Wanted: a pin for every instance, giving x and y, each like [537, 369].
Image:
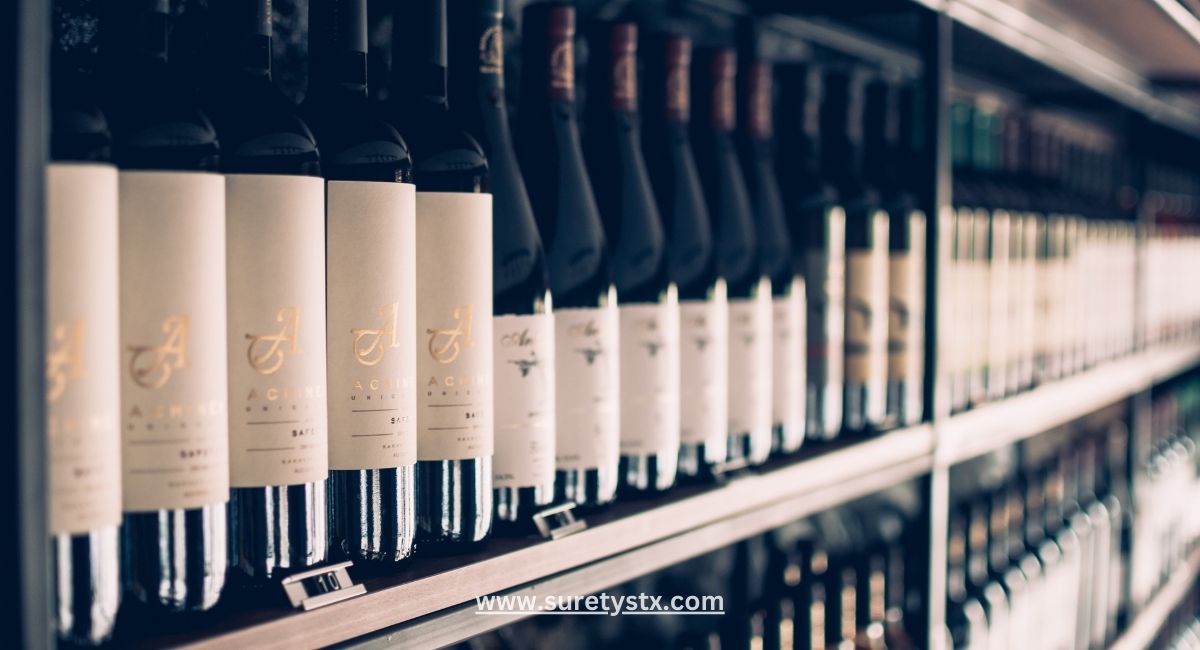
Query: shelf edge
[1151, 619]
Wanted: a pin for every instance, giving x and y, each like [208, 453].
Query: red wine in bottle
[775, 252]
[581, 276]
[649, 310]
[523, 466]
[818, 225]
[691, 257]
[455, 417]
[370, 252]
[275, 228]
[738, 259]
[173, 330]
[83, 364]
[866, 251]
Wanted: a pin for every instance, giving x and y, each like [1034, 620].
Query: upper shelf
[1118, 48]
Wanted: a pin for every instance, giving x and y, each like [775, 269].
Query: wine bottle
[649, 310]
[173, 322]
[455, 417]
[966, 618]
[370, 253]
[174, 392]
[866, 251]
[691, 258]
[83, 364]
[778, 261]
[275, 227]
[738, 259]
[523, 466]
[586, 323]
[818, 226]
[892, 152]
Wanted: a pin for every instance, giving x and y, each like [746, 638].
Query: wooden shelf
[995, 426]
[1151, 619]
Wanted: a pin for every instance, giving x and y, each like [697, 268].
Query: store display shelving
[431, 602]
[994, 426]
[1146, 625]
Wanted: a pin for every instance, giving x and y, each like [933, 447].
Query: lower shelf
[1150, 620]
[628, 540]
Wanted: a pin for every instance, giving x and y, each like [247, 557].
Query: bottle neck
[841, 123]
[338, 46]
[476, 53]
[548, 77]
[668, 81]
[419, 55]
[719, 73]
[757, 101]
[800, 108]
[881, 133]
[243, 32]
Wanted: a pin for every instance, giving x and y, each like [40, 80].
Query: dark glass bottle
[523, 468]
[866, 251]
[818, 227]
[691, 258]
[980, 584]
[83, 367]
[966, 618]
[956, 341]
[892, 150]
[454, 303]
[175, 542]
[370, 221]
[757, 144]
[649, 309]
[581, 274]
[714, 80]
[275, 225]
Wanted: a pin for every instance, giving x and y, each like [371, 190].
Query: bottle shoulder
[262, 130]
[355, 140]
[438, 143]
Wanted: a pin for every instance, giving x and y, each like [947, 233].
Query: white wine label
[906, 311]
[750, 371]
[371, 329]
[455, 419]
[524, 401]
[704, 368]
[867, 308]
[83, 360]
[649, 367]
[278, 423]
[586, 351]
[174, 390]
[788, 385]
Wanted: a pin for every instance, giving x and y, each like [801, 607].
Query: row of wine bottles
[1065, 554]
[1040, 257]
[851, 577]
[277, 334]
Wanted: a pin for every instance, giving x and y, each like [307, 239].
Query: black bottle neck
[881, 134]
[801, 92]
[419, 51]
[476, 55]
[337, 46]
[78, 129]
[548, 54]
[842, 125]
[715, 86]
[241, 31]
[667, 62]
[612, 70]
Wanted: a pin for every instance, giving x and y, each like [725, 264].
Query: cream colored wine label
[866, 308]
[788, 387]
[649, 364]
[174, 420]
[371, 330]
[586, 357]
[278, 424]
[83, 360]
[704, 370]
[750, 370]
[906, 306]
[455, 419]
[524, 347]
